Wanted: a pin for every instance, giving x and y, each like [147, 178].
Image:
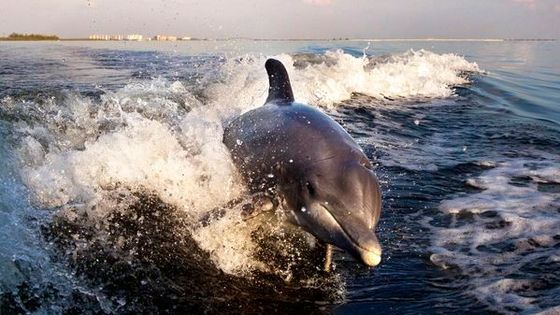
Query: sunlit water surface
[111, 153]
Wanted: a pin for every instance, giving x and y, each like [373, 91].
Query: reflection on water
[112, 150]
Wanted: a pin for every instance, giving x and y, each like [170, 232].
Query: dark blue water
[110, 151]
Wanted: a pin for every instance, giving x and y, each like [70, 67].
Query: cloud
[530, 3]
[319, 2]
[542, 5]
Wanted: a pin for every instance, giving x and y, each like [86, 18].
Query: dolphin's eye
[310, 189]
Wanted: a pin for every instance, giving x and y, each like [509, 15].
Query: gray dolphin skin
[312, 165]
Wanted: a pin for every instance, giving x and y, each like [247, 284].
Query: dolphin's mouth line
[313, 162]
[348, 234]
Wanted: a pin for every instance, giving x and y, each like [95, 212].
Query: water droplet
[239, 142]
[464, 148]
[270, 175]
[416, 122]
[303, 209]
[291, 161]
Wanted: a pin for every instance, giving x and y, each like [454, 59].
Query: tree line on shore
[16, 36]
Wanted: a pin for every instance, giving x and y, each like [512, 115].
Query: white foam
[145, 153]
[515, 224]
[414, 74]
[166, 149]
[227, 242]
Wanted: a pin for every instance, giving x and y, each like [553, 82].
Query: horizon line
[434, 39]
[339, 38]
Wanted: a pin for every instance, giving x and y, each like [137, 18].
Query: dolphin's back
[271, 136]
[282, 133]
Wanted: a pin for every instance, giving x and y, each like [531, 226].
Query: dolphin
[298, 155]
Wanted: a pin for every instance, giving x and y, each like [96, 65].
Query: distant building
[105, 37]
[99, 37]
[135, 37]
[165, 38]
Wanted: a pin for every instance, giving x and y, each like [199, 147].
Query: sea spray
[161, 137]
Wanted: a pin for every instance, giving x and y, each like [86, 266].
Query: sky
[283, 19]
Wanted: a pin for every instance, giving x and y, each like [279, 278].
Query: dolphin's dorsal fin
[280, 90]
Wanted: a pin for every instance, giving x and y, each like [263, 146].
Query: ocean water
[111, 154]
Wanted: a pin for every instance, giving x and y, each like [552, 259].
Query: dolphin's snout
[367, 247]
[359, 238]
[350, 233]
[371, 259]
[370, 253]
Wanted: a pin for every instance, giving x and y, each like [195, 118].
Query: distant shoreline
[29, 37]
[300, 39]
